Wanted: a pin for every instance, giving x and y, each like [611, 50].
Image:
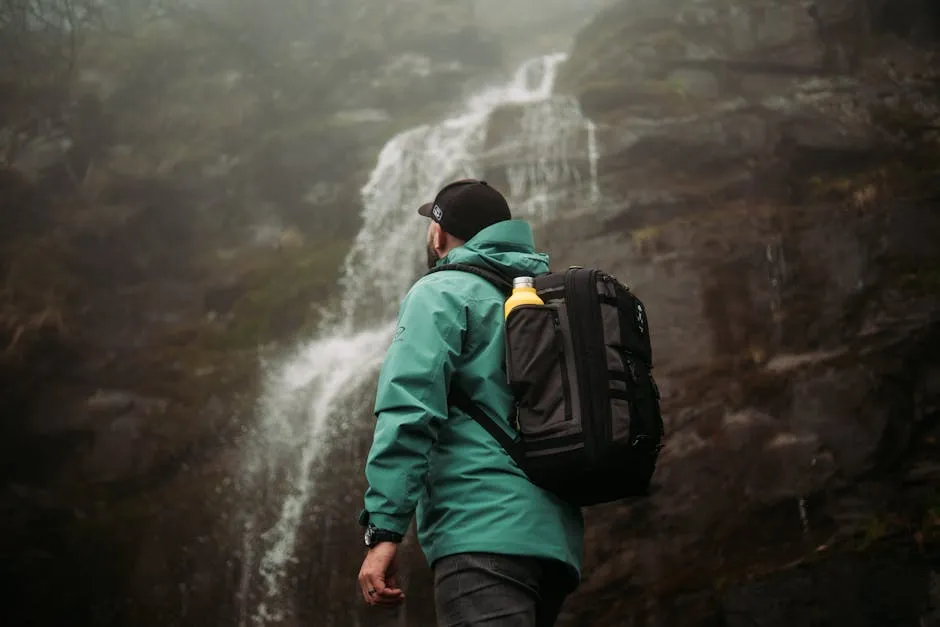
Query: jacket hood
[505, 247]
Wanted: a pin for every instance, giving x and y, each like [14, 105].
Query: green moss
[876, 529]
[908, 170]
[653, 95]
[922, 280]
[277, 294]
[734, 561]
[291, 279]
[857, 188]
[622, 31]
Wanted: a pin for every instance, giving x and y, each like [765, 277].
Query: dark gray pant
[477, 589]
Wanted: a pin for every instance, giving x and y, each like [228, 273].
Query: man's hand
[377, 577]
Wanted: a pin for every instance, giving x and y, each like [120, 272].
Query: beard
[432, 257]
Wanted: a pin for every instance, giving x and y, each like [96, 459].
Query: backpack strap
[457, 397]
[495, 278]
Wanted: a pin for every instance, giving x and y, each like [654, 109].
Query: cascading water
[321, 382]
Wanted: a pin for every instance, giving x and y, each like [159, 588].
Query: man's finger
[369, 589]
[391, 593]
[376, 584]
[373, 588]
[384, 594]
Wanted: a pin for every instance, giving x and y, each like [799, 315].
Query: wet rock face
[189, 207]
[718, 98]
[888, 586]
[788, 368]
[560, 150]
[801, 409]
[892, 584]
[763, 172]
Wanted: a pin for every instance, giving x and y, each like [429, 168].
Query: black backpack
[580, 368]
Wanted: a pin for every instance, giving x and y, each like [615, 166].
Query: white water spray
[304, 393]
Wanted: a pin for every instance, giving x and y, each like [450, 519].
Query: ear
[438, 238]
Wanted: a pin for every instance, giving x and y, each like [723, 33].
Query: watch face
[368, 536]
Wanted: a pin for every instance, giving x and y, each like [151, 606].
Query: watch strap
[375, 536]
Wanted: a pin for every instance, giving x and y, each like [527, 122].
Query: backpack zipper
[562, 357]
[573, 300]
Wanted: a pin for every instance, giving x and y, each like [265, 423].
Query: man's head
[459, 211]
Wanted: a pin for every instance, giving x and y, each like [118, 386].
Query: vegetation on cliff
[179, 185]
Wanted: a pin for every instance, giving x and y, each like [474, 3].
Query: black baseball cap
[464, 208]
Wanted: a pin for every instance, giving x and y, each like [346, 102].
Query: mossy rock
[669, 96]
[282, 293]
[270, 295]
[626, 41]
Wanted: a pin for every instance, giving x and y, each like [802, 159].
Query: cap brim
[425, 209]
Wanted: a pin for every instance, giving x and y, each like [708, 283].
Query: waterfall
[320, 383]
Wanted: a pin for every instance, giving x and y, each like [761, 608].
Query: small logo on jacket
[398, 333]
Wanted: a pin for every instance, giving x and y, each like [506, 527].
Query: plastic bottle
[523, 293]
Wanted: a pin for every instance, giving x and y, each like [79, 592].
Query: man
[503, 551]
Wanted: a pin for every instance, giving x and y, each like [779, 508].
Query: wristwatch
[375, 535]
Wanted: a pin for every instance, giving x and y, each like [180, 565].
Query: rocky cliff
[770, 172]
[177, 192]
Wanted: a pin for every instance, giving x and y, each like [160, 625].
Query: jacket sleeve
[411, 401]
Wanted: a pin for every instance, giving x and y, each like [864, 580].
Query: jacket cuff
[395, 524]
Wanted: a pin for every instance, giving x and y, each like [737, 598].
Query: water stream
[552, 153]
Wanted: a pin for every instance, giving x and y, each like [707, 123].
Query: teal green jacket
[437, 464]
